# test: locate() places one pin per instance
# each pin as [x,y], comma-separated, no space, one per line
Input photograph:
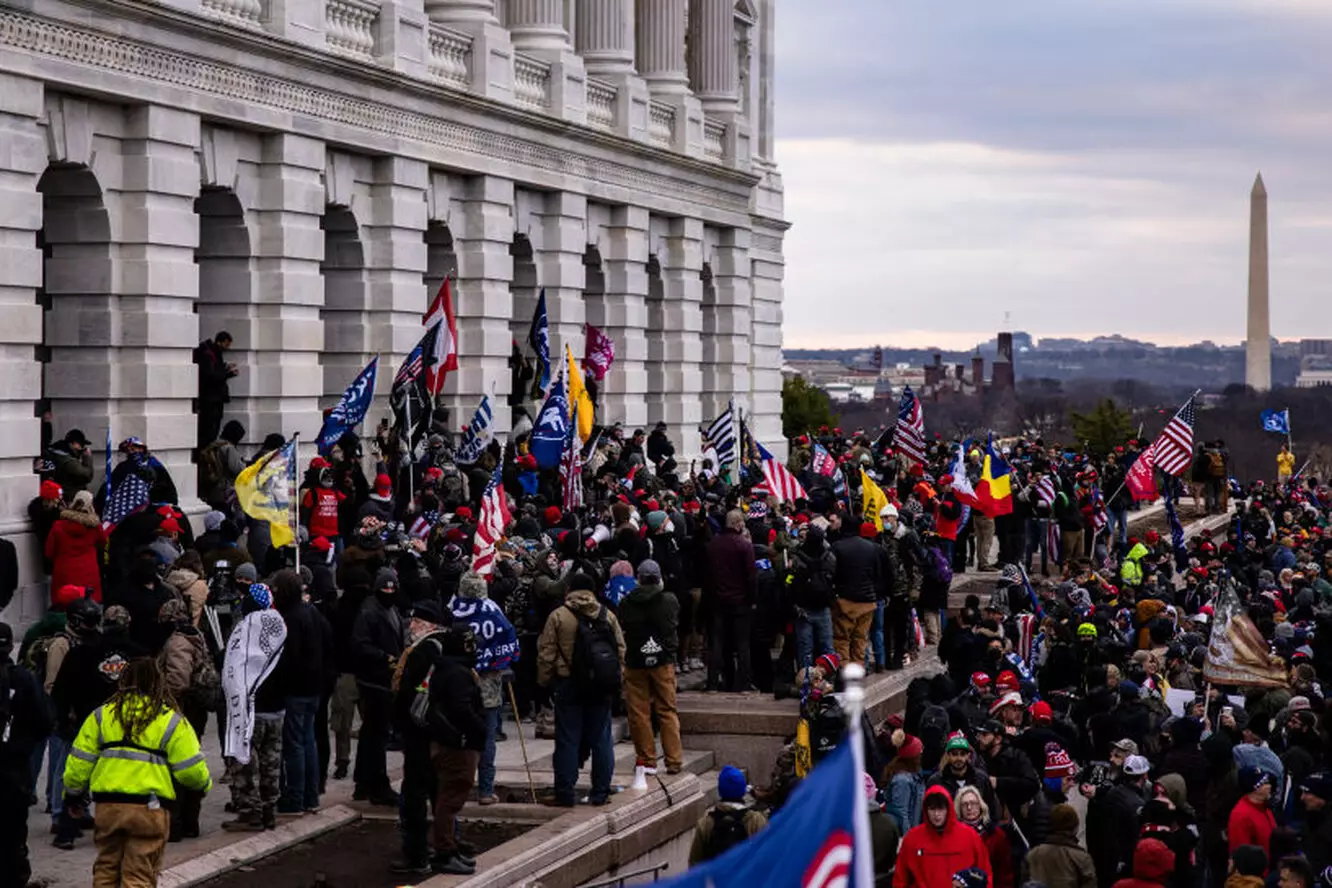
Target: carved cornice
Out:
[45,38]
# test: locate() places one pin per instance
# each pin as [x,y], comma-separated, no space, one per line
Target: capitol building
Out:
[305,173]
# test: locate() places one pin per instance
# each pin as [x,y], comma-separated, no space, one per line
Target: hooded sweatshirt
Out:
[1153,863]
[556,645]
[929,857]
[1131,571]
[649,616]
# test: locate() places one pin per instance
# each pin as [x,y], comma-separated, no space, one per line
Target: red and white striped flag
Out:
[494,518]
[777,479]
[445,343]
[571,467]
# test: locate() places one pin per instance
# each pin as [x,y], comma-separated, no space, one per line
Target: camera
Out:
[222,590]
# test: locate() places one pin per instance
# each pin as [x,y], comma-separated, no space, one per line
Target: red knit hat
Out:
[320,544]
[383,486]
[1057,762]
[869,531]
[170,525]
[463,513]
[553,515]
[1041,713]
[909,747]
[50,490]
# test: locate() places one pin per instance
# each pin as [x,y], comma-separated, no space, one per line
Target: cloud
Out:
[1084,167]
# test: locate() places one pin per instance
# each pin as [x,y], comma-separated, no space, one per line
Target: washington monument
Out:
[1258,348]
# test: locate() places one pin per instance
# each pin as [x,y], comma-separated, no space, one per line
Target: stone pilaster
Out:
[401,39]
[660,52]
[727,325]
[298,20]
[288,335]
[21,165]
[712,56]
[483,302]
[492,49]
[537,29]
[395,254]
[622,314]
[560,269]
[680,376]
[765,341]
[605,40]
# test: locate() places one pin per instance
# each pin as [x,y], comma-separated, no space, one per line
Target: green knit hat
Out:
[957,740]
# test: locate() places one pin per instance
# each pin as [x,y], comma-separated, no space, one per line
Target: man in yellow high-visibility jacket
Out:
[126,754]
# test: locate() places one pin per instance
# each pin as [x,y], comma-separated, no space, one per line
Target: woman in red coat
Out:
[971,810]
[74,548]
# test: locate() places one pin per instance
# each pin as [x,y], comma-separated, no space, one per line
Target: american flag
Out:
[910,437]
[777,479]
[127,497]
[1026,624]
[822,462]
[1099,517]
[1172,451]
[419,358]
[490,526]
[1046,491]
[422,524]
[571,467]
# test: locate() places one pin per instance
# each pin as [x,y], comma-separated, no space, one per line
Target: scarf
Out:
[252,653]
[496,640]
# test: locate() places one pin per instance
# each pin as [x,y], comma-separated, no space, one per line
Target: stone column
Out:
[492,51]
[559,262]
[712,54]
[483,302]
[538,31]
[726,346]
[660,53]
[21,165]
[681,376]
[623,315]
[287,335]
[157,284]
[765,340]
[395,257]
[606,43]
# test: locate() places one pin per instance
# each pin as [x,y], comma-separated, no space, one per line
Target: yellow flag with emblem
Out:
[580,403]
[873,499]
[265,490]
[804,753]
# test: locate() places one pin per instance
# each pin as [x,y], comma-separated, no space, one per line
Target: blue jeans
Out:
[1119,528]
[813,632]
[300,755]
[57,750]
[1037,541]
[579,721]
[485,772]
[876,633]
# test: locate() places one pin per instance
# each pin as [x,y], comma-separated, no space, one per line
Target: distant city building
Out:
[941,380]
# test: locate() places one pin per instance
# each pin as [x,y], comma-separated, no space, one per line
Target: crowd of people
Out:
[409,612]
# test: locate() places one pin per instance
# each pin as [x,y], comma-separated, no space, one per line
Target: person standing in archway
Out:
[214,374]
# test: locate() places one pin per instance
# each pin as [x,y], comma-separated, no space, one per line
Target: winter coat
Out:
[308,657]
[1153,863]
[72,473]
[753,821]
[731,575]
[649,618]
[181,653]
[192,590]
[859,569]
[1130,572]
[929,857]
[73,548]
[556,645]
[906,792]
[1316,839]
[1191,764]
[972,777]
[377,640]
[1016,781]
[1060,860]
[1250,824]
[456,717]
[811,578]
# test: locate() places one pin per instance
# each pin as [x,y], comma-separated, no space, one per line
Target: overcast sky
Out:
[1084,166]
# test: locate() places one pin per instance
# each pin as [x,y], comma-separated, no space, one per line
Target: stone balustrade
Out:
[601,99]
[661,124]
[531,82]
[450,56]
[349,27]
[246,13]
[714,139]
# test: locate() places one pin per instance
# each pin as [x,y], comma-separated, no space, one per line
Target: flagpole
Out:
[853,677]
[411,480]
[291,499]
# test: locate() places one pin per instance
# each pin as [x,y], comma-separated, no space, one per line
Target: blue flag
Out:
[819,838]
[539,338]
[351,409]
[552,427]
[477,434]
[1176,529]
[496,640]
[1276,421]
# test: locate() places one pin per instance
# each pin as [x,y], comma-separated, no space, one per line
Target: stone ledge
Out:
[256,847]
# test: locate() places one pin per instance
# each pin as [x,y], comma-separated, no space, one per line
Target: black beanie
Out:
[1250,860]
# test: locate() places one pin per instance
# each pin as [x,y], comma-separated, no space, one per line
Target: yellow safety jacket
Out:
[117,769]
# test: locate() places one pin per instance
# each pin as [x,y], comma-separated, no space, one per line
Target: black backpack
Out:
[595,666]
[934,729]
[728,830]
[827,727]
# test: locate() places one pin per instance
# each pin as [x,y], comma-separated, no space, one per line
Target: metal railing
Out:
[618,881]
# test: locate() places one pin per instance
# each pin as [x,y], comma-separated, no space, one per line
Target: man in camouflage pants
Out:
[255,784]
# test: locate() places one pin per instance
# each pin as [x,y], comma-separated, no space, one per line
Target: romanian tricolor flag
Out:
[994,491]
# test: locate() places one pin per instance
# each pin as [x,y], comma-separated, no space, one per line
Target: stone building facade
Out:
[304,173]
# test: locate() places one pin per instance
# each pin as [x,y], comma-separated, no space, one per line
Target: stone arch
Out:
[523,286]
[656,342]
[346,316]
[79,322]
[224,258]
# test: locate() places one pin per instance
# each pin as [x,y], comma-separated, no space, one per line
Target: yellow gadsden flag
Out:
[264,491]
[873,499]
[580,405]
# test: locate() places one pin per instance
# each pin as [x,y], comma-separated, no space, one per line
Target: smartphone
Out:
[1228,710]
